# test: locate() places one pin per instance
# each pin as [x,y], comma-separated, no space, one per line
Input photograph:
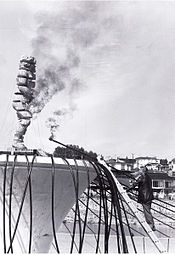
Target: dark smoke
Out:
[60,112]
[61,39]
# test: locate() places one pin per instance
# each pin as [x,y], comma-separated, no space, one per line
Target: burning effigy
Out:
[22,98]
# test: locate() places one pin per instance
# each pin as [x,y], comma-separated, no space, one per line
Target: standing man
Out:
[145,193]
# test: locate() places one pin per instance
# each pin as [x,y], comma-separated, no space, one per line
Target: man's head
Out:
[143,169]
[148,166]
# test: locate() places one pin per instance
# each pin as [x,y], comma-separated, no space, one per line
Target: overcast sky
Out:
[125,98]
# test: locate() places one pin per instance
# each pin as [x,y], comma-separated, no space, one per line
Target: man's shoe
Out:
[153,228]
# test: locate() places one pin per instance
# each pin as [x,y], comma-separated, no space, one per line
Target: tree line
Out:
[74,152]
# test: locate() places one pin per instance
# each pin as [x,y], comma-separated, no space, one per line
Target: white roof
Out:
[42,160]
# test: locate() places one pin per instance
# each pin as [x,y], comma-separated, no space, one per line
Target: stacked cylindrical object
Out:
[22,98]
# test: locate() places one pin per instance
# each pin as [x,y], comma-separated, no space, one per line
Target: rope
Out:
[10,200]
[21,206]
[87,207]
[129,228]
[122,221]
[52,204]
[30,205]
[4,189]
[77,206]
[70,235]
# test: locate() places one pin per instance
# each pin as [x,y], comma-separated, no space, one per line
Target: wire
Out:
[10,200]
[75,188]
[22,202]
[110,206]
[115,198]
[52,208]
[4,192]
[116,216]
[131,235]
[87,207]
[70,235]
[77,205]
[31,206]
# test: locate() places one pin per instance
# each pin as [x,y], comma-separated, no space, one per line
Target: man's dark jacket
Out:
[145,192]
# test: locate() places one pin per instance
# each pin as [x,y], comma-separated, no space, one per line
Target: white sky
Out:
[127,101]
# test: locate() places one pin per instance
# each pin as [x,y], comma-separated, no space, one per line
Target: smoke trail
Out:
[62,36]
[53,122]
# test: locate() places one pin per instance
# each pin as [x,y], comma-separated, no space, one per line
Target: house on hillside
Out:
[172,166]
[129,164]
[126,164]
[142,161]
[162,183]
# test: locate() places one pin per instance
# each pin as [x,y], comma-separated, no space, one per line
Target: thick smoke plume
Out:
[62,37]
